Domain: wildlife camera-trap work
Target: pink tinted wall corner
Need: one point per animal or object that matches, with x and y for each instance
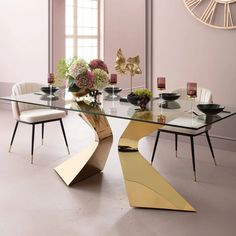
(24, 41)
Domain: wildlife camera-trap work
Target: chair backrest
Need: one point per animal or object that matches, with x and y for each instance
(24, 88)
(203, 95)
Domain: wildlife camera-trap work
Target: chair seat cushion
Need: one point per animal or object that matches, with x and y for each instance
(182, 131)
(40, 115)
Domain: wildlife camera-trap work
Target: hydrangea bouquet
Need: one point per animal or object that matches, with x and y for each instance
(82, 76)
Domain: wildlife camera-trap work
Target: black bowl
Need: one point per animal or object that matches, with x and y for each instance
(210, 109)
(109, 90)
(47, 89)
(170, 96)
(141, 101)
(133, 99)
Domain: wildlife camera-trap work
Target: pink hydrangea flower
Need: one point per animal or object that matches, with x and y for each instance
(98, 64)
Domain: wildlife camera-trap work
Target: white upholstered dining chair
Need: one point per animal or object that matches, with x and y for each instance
(203, 96)
(33, 114)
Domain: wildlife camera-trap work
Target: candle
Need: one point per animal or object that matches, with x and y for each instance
(113, 79)
(192, 89)
(161, 83)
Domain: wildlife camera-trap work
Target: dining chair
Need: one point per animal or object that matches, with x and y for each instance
(34, 114)
(203, 96)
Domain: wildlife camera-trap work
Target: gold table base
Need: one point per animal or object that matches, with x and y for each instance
(92, 159)
(146, 188)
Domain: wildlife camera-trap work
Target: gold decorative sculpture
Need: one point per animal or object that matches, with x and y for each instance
(92, 159)
(131, 67)
(146, 188)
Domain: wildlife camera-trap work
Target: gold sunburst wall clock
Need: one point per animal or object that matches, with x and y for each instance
(219, 14)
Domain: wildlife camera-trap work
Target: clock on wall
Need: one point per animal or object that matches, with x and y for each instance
(215, 13)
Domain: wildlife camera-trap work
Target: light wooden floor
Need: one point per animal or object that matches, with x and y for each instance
(34, 200)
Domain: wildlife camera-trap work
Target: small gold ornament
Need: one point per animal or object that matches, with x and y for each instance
(120, 66)
(132, 66)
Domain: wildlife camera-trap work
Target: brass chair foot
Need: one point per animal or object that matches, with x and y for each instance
(195, 176)
(9, 149)
(215, 162)
(32, 159)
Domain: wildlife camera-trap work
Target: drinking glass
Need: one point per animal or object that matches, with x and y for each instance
(113, 82)
(51, 80)
(192, 92)
(161, 85)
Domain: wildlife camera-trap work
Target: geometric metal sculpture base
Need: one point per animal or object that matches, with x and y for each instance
(92, 159)
(146, 188)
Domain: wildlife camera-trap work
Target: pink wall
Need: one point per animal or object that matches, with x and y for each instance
(186, 50)
(23, 41)
(125, 28)
(58, 38)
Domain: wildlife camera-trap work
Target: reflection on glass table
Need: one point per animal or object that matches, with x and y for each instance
(145, 187)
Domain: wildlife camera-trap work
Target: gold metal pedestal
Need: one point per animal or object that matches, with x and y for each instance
(91, 160)
(146, 188)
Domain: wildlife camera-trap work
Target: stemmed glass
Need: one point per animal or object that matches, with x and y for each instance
(192, 92)
(161, 85)
(113, 82)
(51, 81)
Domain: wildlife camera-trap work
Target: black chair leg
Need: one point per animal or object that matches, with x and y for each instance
(155, 146)
(176, 145)
(209, 142)
(32, 143)
(13, 136)
(64, 134)
(42, 132)
(193, 158)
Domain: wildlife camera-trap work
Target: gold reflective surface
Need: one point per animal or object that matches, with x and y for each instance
(146, 188)
(92, 159)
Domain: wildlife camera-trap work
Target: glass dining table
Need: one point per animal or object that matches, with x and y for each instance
(145, 186)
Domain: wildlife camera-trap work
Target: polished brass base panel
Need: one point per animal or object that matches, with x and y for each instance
(145, 186)
(92, 159)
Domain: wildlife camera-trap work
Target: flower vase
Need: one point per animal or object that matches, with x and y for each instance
(78, 92)
(96, 95)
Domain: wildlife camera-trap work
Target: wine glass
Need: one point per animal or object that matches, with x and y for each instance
(161, 85)
(192, 92)
(51, 80)
(113, 82)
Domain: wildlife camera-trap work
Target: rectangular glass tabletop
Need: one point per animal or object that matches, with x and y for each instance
(177, 113)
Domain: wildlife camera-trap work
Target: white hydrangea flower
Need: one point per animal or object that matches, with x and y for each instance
(101, 78)
(78, 67)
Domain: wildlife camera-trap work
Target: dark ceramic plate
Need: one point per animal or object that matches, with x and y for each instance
(210, 109)
(47, 98)
(170, 96)
(170, 105)
(109, 90)
(47, 89)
